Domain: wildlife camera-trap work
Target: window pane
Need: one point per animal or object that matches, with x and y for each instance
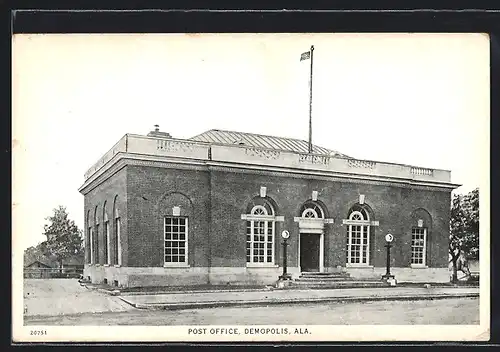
(418, 246)
(175, 239)
(260, 236)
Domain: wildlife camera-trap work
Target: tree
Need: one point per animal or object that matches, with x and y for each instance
(64, 239)
(464, 228)
(34, 253)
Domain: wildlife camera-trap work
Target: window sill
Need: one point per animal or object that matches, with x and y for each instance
(97, 264)
(117, 265)
(261, 265)
(419, 266)
(176, 265)
(359, 266)
(106, 264)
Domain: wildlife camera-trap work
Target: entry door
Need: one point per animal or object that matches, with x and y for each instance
(309, 252)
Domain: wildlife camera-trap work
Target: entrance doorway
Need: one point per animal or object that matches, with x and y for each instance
(309, 252)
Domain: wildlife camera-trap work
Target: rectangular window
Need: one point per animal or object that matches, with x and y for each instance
(418, 246)
(358, 244)
(260, 242)
(176, 240)
(107, 252)
(91, 246)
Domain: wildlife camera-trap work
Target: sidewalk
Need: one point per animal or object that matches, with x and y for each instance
(192, 300)
(51, 297)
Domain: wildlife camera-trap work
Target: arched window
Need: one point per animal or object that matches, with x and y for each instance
(260, 232)
(96, 237)
(106, 238)
(311, 210)
(117, 258)
(358, 236)
(418, 246)
(89, 246)
(421, 222)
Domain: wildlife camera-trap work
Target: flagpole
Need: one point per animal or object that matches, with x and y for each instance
(310, 100)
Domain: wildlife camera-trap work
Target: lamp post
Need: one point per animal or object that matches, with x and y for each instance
(285, 276)
(388, 239)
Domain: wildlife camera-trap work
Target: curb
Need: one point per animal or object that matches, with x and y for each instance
(294, 288)
(194, 291)
(215, 304)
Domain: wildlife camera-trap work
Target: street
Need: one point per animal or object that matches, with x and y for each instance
(440, 312)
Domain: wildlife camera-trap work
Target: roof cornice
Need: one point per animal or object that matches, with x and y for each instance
(121, 160)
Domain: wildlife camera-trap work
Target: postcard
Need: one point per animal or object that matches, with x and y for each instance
(250, 187)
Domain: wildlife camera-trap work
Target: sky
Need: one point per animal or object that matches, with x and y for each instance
(418, 99)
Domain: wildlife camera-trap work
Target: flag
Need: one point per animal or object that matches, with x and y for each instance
(305, 56)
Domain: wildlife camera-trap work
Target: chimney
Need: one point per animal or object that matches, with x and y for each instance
(158, 133)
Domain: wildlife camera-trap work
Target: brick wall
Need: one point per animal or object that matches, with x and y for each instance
(392, 207)
(217, 238)
(152, 192)
(111, 192)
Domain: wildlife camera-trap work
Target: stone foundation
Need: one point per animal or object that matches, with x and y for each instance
(159, 276)
(424, 275)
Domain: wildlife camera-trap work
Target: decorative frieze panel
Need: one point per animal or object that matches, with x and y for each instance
(173, 146)
(262, 153)
(314, 159)
(421, 171)
(361, 164)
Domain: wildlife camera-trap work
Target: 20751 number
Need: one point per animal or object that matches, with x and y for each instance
(38, 332)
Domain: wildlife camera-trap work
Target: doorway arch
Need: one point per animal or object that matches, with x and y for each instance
(311, 221)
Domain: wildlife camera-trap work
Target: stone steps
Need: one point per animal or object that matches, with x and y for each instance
(333, 280)
(317, 274)
(325, 279)
(338, 284)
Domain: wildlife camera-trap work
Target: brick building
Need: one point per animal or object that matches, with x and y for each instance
(210, 209)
